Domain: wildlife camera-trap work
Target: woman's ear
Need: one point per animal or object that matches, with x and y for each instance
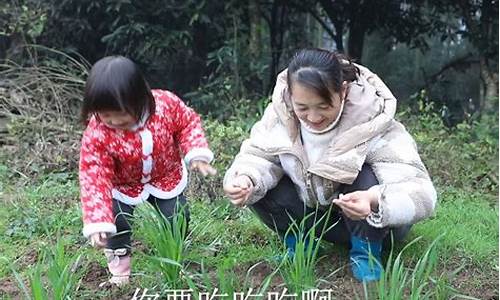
(345, 87)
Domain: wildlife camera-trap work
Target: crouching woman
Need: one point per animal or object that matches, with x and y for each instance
(329, 141)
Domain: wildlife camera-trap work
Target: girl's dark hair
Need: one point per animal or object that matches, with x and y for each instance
(116, 83)
(321, 70)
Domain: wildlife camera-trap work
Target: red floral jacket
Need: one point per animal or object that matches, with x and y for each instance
(130, 165)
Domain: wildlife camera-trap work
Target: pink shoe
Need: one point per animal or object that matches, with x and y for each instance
(118, 265)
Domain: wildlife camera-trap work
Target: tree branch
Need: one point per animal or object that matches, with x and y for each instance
(464, 61)
(317, 18)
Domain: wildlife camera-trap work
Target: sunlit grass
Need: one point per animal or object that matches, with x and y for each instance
(56, 275)
(421, 280)
(229, 242)
(165, 237)
(298, 271)
(225, 283)
(468, 224)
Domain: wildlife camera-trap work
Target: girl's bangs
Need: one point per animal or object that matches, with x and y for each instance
(105, 101)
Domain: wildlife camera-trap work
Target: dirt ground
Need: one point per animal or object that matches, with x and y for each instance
(332, 271)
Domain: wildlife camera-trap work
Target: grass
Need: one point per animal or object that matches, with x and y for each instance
(165, 238)
(468, 225)
(56, 275)
(227, 232)
(420, 281)
(298, 271)
(227, 246)
(400, 282)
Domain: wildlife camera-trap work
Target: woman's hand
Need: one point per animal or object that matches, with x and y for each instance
(202, 167)
(358, 205)
(99, 239)
(239, 190)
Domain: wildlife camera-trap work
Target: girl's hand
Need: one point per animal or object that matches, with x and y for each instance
(239, 190)
(203, 167)
(358, 205)
(99, 239)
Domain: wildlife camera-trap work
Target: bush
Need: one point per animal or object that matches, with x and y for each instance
(42, 147)
(49, 88)
(465, 156)
(45, 137)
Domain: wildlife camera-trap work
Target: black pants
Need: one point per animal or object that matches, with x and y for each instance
(124, 215)
(281, 205)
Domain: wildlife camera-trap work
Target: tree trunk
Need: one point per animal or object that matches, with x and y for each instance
(254, 42)
(335, 15)
(277, 31)
(489, 89)
(339, 29)
(357, 30)
(356, 41)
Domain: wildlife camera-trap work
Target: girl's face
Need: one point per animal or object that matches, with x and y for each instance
(312, 109)
(117, 119)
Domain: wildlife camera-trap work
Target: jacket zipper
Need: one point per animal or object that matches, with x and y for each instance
(311, 193)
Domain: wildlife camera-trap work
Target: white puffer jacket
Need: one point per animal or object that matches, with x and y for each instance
(365, 133)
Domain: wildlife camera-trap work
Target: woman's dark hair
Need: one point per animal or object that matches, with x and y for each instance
(116, 83)
(321, 70)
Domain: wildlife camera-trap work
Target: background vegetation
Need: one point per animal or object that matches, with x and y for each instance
(439, 57)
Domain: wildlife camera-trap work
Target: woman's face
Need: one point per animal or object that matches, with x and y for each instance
(312, 109)
(117, 119)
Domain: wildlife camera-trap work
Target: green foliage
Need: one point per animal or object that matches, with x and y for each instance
(166, 239)
(406, 70)
(420, 281)
(474, 232)
(227, 233)
(236, 78)
(225, 140)
(55, 192)
(56, 275)
(23, 227)
(221, 50)
(396, 279)
(465, 156)
(169, 39)
(24, 18)
(4, 175)
(228, 284)
(132, 21)
(299, 271)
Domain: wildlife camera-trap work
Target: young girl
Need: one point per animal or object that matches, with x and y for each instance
(329, 137)
(131, 153)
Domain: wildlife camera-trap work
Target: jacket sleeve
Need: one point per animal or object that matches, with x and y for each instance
(189, 132)
(96, 173)
(407, 194)
(253, 161)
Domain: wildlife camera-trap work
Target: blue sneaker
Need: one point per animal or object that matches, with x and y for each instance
(365, 257)
(290, 243)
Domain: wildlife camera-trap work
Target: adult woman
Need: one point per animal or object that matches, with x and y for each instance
(329, 137)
